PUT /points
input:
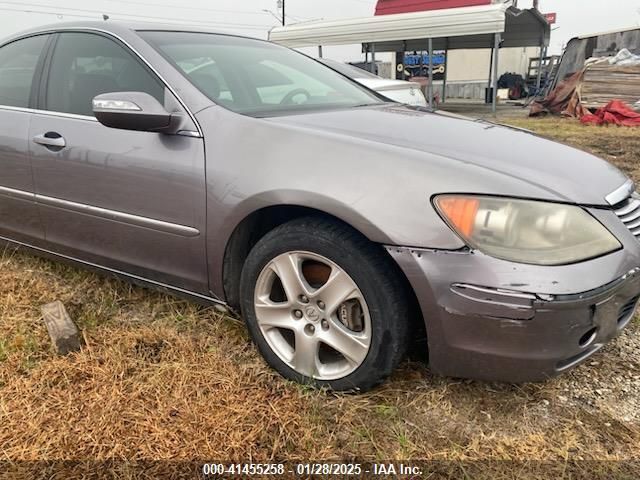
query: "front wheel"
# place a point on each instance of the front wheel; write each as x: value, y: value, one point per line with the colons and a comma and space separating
x: 324, y: 305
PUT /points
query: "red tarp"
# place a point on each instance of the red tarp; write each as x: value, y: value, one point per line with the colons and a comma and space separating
x: 386, y: 7
x: 615, y: 113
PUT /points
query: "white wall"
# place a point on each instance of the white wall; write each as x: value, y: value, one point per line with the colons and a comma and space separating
x: 473, y: 65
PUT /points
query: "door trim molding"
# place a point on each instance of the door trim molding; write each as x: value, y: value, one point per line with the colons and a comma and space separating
x: 106, y: 213
x: 117, y: 216
x: 21, y: 194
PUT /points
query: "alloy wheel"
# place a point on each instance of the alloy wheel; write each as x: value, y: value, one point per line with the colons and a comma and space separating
x: 313, y: 315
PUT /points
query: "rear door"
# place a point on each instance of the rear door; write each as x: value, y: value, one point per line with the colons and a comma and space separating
x: 126, y: 200
x: 19, y: 69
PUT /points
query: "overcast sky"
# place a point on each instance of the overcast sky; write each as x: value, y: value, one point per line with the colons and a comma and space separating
x: 575, y: 17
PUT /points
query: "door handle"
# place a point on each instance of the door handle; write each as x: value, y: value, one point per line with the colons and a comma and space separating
x: 51, y: 140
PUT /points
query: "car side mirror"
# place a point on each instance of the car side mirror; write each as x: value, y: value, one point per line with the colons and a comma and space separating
x: 137, y: 111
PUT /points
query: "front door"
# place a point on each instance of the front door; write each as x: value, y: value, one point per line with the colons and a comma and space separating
x: 126, y: 200
x: 19, y: 61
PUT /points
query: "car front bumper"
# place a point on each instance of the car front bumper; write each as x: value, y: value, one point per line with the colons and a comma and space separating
x: 496, y: 320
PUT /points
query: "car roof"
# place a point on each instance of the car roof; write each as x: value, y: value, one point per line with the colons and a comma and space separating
x: 117, y: 27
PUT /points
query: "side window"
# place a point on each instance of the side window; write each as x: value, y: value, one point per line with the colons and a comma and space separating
x: 85, y: 65
x: 18, y: 62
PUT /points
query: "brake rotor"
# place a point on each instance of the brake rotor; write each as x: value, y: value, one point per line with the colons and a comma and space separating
x: 351, y: 315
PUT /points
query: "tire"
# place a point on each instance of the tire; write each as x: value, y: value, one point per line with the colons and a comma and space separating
x: 323, y: 256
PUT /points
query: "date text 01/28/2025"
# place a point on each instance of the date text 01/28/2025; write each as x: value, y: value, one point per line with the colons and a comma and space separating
x: 356, y: 469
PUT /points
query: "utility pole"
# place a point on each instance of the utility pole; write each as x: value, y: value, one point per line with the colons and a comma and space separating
x: 281, y: 5
x: 535, y: 4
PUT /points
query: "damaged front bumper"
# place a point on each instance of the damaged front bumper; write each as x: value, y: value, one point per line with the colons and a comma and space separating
x: 496, y: 320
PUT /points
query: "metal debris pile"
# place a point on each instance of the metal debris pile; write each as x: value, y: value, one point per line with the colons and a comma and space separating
x: 606, y: 90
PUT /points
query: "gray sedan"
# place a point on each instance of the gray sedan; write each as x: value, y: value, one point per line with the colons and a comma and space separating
x: 343, y: 227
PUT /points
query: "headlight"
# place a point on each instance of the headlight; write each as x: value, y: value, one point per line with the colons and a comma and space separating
x: 526, y: 231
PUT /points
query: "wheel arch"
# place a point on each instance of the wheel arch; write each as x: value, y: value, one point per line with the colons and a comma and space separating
x: 250, y: 229
x: 258, y: 223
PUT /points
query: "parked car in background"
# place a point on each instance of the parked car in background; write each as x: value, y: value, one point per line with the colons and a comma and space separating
x: 399, y: 91
x: 341, y: 226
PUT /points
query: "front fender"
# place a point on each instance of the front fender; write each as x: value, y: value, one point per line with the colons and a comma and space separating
x: 381, y: 190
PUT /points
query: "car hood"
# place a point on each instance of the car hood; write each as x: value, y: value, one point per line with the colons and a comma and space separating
x: 561, y: 172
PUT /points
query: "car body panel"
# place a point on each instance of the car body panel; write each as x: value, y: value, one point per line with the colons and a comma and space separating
x: 528, y: 322
x: 557, y: 172
x: 336, y: 156
x: 132, y: 176
x: 18, y: 210
x: 243, y: 176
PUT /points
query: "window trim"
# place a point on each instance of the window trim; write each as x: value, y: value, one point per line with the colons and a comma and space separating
x: 48, y: 113
x: 40, y: 96
x: 127, y: 46
x: 37, y: 73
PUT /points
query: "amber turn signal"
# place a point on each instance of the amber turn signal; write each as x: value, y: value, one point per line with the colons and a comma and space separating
x: 460, y: 212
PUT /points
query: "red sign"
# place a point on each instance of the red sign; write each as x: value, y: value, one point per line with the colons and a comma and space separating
x: 551, y: 18
x: 386, y: 7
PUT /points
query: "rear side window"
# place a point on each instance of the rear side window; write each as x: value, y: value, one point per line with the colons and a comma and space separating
x: 18, y: 62
x: 85, y: 65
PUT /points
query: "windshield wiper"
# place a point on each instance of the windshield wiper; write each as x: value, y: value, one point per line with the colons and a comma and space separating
x: 371, y: 104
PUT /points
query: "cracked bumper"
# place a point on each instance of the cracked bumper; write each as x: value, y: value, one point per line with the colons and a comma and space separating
x: 496, y: 320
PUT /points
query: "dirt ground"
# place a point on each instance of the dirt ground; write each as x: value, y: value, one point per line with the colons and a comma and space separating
x: 165, y: 380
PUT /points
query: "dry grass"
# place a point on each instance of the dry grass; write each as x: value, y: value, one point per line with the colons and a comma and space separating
x: 164, y: 379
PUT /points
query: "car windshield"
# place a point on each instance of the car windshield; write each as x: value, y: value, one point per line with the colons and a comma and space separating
x: 257, y: 78
x: 347, y: 69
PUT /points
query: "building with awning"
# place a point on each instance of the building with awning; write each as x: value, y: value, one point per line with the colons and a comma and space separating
x: 405, y: 25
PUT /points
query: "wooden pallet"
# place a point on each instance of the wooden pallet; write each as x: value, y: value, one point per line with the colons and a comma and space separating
x: 603, y: 83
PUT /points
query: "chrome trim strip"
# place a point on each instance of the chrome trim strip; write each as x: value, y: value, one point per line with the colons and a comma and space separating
x: 630, y: 217
x: 116, y: 216
x: 579, y: 358
x: 189, y: 133
x: 630, y: 207
x: 495, y: 291
x: 128, y: 45
x: 596, y: 294
x: 118, y: 272
x: 153, y: 224
x: 621, y: 193
x: 21, y: 194
x: 48, y: 112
